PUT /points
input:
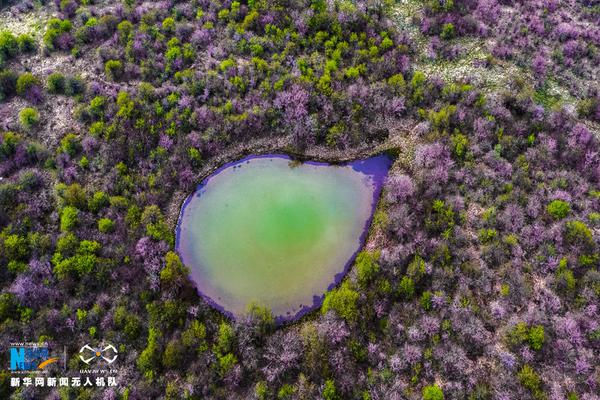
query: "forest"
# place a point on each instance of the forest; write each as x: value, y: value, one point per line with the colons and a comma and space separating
x: 480, y: 275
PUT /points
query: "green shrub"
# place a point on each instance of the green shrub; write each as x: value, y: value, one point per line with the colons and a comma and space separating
x: 406, y: 288
x: 26, y: 43
x: 8, y: 84
x: 9, y: 47
x: 28, y: 117
x: 343, y: 301
x: 16, y: 247
x: 98, y: 201
x: 447, y: 31
x: 68, y: 218
x: 366, y: 267
x: 261, y: 390
x: 147, y: 361
x: 565, y: 279
x: 174, y: 354
x: 433, y: 392
x: 194, y: 336
x: 285, y: 392
x: 113, y: 69
x: 70, y: 144
x: 577, y: 232
x: 225, y: 338
x: 174, y: 269
x: 329, y: 391
x: 535, y: 337
x: 226, y: 363
x: 531, y: 381
x: 74, y: 85
x: 25, y: 82
x: 56, y: 83
x: 558, y: 209
x: 54, y: 29
x: 106, y: 225
x: 168, y: 24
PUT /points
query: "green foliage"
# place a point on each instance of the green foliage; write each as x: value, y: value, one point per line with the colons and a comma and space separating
x: 342, y: 300
x: 149, y: 358
x: 441, y: 219
x: 168, y: 24
x: 416, y: 268
x: 174, y: 354
x: 26, y: 43
x: 460, y: 145
x: 486, y: 235
x: 535, y: 337
x: 8, y: 84
x: 174, y: 270
x: 54, y: 29
x: 73, y: 195
x: 558, y: 209
x: 127, y: 322
x: 521, y: 333
x: 25, y: 82
x: 113, y: 69
x: 285, y: 392
x: 447, y: 31
x: 195, y: 336
x: 262, y: 317
x: 261, y: 390
x: 329, y: 391
x: 156, y: 227
x: 16, y: 247
x: 406, y: 288
x: 81, y: 263
x: 564, y: 278
x: 417, y: 84
x: 433, y: 392
x: 28, y: 117
x: 98, y: 201
x: 9, y: 47
x: 70, y: 144
x: 531, y: 381
x: 225, y: 338
x: 397, y: 83
x: 366, y: 267
x: 125, y: 28
x: 56, y: 83
x: 69, y: 217
x: 225, y: 363
x: 577, y: 232
x: 106, y: 225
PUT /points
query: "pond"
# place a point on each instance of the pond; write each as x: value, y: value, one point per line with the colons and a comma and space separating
x: 278, y: 233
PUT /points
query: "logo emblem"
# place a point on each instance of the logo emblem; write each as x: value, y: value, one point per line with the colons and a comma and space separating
x: 30, y: 358
x: 87, y: 354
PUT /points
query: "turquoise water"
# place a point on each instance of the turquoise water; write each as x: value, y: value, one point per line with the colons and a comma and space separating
x: 267, y: 231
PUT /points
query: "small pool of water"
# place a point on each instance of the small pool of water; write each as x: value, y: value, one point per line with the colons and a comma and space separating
x: 277, y: 233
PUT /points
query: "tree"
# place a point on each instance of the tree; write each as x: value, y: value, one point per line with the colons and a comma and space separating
x: 68, y: 218
x: 329, y: 391
x: 344, y: 301
x: 106, y: 225
x: 366, y: 267
x: 433, y: 392
x: 28, y: 117
x: 56, y: 83
x: 558, y: 209
x: 113, y: 69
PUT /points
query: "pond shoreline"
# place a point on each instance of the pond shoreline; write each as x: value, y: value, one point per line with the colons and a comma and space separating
x: 376, y: 166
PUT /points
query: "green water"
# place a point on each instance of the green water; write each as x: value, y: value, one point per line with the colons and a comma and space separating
x: 273, y: 234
